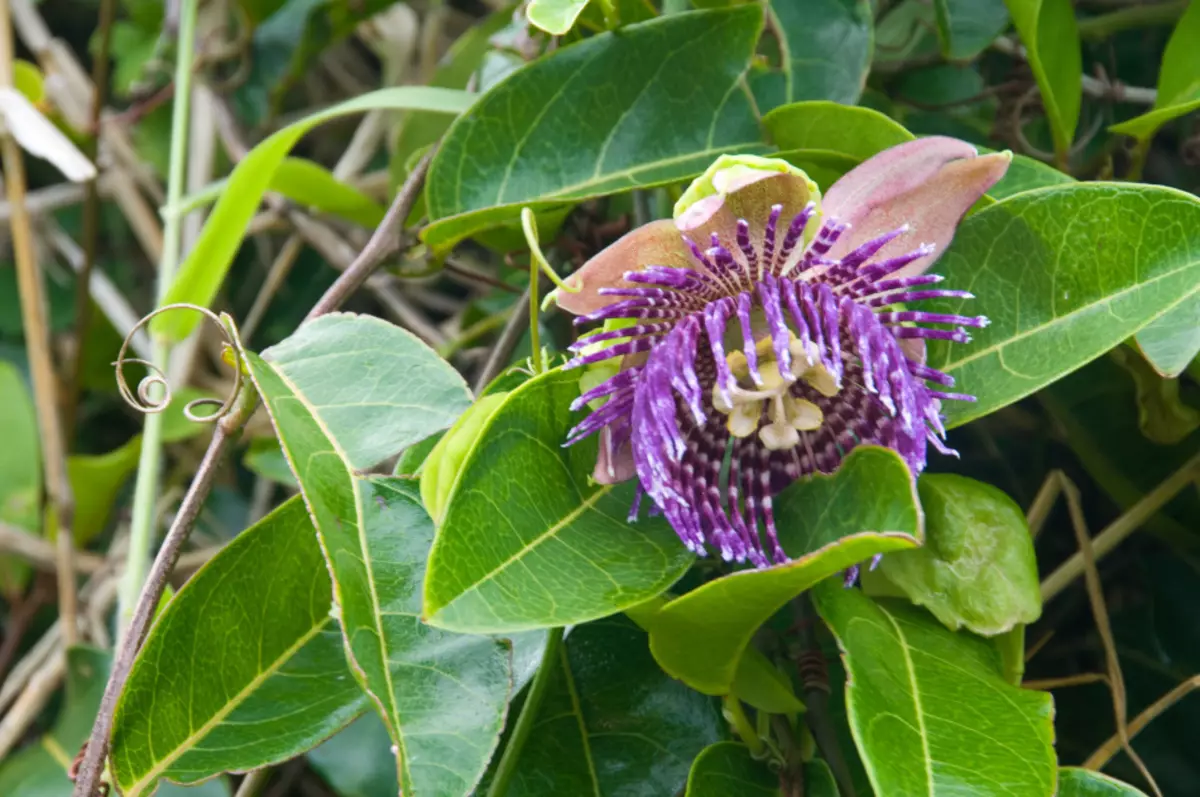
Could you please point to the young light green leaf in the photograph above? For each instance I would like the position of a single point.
(611, 723)
(966, 27)
(1051, 38)
(202, 272)
(828, 139)
(443, 697)
(825, 49)
(1092, 264)
(310, 184)
(928, 708)
(868, 506)
(200, 702)
(1079, 782)
(977, 567)
(376, 387)
(1172, 341)
(527, 540)
(556, 17)
(96, 480)
(1178, 80)
(616, 97)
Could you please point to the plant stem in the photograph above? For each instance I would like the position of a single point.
(533, 701)
(741, 724)
(816, 696)
(1135, 16)
(227, 429)
(509, 337)
(535, 343)
(91, 223)
(150, 461)
(37, 346)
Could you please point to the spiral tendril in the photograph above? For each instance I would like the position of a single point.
(143, 399)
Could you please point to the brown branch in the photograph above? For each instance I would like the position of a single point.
(384, 242)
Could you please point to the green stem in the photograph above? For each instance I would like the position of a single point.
(741, 725)
(141, 533)
(533, 701)
(612, 19)
(1138, 160)
(1137, 16)
(535, 343)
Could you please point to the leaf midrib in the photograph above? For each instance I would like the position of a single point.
(911, 672)
(577, 710)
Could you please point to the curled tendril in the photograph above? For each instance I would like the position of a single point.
(144, 401)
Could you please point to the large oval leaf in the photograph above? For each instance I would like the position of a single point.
(867, 507)
(443, 697)
(202, 272)
(650, 104)
(201, 701)
(528, 541)
(1064, 274)
(824, 48)
(928, 708)
(611, 723)
(966, 27)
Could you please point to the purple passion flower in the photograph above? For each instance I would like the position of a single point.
(764, 333)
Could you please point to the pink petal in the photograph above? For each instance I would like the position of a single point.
(655, 244)
(928, 184)
(750, 196)
(613, 466)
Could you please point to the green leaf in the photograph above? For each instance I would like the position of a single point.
(265, 458)
(868, 506)
(1079, 782)
(1172, 341)
(825, 48)
(611, 723)
(443, 697)
(653, 103)
(1025, 174)
(966, 27)
(1051, 38)
(556, 17)
(977, 567)
(1163, 416)
(21, 464)
(1092, 264)
(726, 768)
(826, 137)
(202, 272)
(200, 701)
(95, 483)
(376, 388)
(527, 540)
(357, 762)
(310, 184)
(928, 708)
(1178, 80)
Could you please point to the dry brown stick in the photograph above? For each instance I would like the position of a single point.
(40, 553)
(1106, 751)
(91, 225)
(1116, 680)
(227, 428)
(37, 345)
(384, 241)
(1082, 679)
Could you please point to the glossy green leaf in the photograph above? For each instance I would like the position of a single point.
(95, 483)
(443, 697)
(966, 27)
(825, 48)
(650, 104)
(1079, 782)
(1025, 174)
(1091, 264)
(40, 768)
(201, 701)
(412, 461)
(828, 139)
(1051, 38)
(357, 762)
(202, 272)
(868, 506)
(556, 17)
(977, 567)
(1178, 80)
(376, 387)
(1171, 342)
(310, 184)
(528, 541)
(928, 708)
(265, 458)
(726, 769)
(611, 723)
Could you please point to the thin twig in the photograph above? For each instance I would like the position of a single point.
(91, 223)
(1116, 680)
(510, 336)
(40, 553)
(816, 695)
(25, 710)
(384, 241)
(253, 783)
(227, 429)
(1082, 679)
(37, 346)
(1106, 751)
(1093, 87)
